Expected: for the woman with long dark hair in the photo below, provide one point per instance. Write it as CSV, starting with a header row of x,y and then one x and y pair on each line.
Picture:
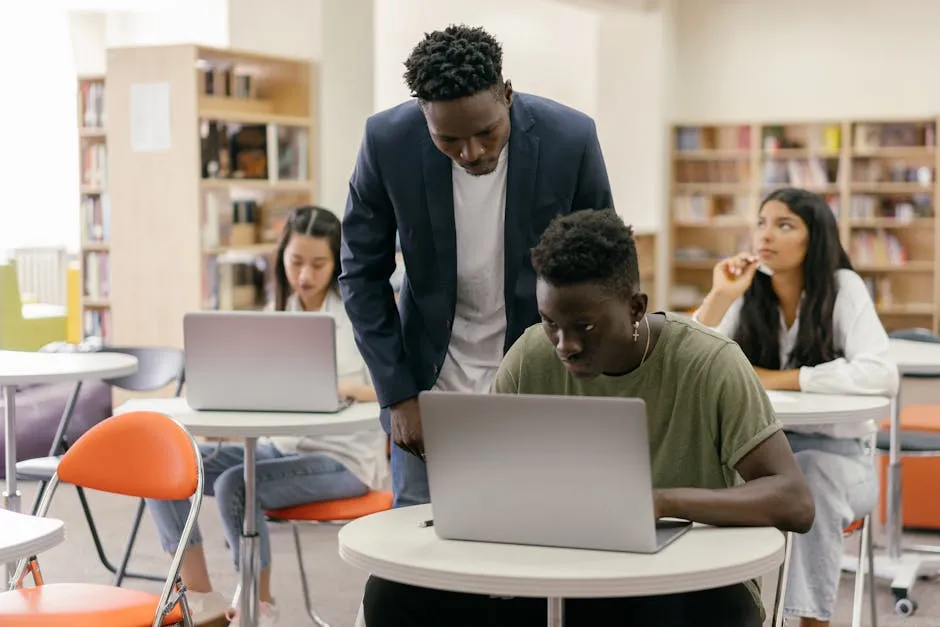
x,y
806,321
290,470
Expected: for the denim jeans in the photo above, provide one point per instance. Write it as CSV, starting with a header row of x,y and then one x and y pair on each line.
x,y
409,473
841,476
280,480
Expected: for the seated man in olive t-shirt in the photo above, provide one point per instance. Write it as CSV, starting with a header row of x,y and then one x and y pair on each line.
x,y
718,453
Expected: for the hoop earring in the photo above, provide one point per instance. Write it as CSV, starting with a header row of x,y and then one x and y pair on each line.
x,y
636,331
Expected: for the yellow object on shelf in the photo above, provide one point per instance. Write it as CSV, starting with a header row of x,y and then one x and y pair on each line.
x,y
74,305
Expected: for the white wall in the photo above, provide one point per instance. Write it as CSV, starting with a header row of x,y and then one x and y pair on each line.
x,y
766,60
549,48
88,32
290,28
196,22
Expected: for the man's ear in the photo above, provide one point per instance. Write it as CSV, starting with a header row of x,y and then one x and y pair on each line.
x,y
639,304
507,92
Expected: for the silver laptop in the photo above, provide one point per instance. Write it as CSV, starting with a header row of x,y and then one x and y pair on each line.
x,y
261,361
561,471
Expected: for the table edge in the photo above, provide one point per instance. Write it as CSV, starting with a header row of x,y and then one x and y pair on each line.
x,y
37,545
636,586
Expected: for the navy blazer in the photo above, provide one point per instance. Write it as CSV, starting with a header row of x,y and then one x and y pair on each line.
x,y
403,183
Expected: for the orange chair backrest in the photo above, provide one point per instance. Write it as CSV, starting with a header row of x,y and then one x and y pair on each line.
x,y
141,453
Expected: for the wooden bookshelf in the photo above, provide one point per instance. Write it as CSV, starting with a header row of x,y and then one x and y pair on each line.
x,y
209,150
646,256
879,177
94,207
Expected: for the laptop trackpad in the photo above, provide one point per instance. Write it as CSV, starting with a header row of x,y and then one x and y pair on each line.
x,y
668,530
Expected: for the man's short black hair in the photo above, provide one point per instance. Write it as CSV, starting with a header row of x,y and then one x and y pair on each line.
x,y
589,247
456,62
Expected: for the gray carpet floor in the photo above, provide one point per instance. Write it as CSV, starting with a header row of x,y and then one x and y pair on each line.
x,y
336,587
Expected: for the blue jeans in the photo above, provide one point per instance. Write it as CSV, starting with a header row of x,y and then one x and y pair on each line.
x,y
409,473
841,476
280,480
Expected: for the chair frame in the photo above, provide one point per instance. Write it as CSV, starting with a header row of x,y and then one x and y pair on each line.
x,y
173,591
60,446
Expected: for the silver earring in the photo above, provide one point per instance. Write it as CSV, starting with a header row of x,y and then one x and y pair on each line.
x,y
636,331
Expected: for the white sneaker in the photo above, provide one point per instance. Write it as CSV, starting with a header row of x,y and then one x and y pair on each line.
x,y
206,607
267,616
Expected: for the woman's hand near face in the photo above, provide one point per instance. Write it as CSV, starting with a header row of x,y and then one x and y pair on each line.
x,y
732,276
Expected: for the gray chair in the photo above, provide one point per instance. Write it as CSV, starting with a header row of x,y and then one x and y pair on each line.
x,y
156,368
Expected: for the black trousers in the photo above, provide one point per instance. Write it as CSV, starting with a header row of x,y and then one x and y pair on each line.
x,y
390,604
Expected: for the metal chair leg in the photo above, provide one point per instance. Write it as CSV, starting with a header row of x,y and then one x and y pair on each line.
x,y
869,533
129,547
859,594
303,580
780,601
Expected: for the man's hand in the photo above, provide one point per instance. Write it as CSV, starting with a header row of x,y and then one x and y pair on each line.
x,y
406,426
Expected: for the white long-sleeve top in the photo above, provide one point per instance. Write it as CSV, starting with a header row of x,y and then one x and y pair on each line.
x,y
865,368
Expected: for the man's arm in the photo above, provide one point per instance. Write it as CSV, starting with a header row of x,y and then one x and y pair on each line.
x,y
593,191
367,256
752,442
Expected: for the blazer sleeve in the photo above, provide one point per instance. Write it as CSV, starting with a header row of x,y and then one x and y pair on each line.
x,y
593,190
367,255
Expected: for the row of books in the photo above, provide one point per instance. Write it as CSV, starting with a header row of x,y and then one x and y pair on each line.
x,y
877,248
96,276
95,165
96,219
869,207
91,104
97,323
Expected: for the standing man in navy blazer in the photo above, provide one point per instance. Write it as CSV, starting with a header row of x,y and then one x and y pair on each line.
x,y
468,174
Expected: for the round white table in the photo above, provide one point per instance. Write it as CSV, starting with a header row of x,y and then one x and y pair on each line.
x,y
251,426
27,368
799,409
701,559
22,536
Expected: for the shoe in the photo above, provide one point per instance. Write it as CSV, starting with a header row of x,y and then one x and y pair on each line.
x,y
206,607
267,616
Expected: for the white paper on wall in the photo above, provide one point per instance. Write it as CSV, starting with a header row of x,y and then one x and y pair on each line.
x,y
150,117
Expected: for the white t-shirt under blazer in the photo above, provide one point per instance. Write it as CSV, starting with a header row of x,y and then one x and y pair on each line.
x,y
865,368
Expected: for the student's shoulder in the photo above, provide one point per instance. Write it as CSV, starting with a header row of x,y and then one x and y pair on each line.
x,y
396,123
850,285
533,346
691,341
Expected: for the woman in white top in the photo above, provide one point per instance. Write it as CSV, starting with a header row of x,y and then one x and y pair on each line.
x,y
806,322
290,470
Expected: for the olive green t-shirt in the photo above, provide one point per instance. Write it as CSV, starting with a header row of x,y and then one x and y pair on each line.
x,y
706,408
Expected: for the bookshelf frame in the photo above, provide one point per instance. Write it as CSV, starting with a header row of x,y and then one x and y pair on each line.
x,y
831,167
168,255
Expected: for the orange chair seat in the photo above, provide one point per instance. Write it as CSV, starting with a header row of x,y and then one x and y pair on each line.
x,y
80,604
918,418
340,509
855,526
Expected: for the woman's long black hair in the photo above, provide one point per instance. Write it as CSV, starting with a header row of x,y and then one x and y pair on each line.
x,y
758,329
313,222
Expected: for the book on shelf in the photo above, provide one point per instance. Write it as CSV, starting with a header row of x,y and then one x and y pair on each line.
x,y
96,219
693,138
97,323
95,165
96,276
91,104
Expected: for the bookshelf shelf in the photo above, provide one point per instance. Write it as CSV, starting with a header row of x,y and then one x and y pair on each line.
x,y
94,207
200,216
879,178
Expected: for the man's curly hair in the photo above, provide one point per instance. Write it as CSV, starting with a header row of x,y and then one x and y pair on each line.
x,y
456,62
589,246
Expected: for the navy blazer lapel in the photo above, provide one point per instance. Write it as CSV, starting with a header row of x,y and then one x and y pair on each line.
x,y
520,193
439,190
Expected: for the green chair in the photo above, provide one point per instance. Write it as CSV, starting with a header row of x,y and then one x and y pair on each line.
x,y
31,327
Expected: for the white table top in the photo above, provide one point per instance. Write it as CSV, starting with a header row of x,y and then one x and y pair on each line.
x,y
391,545
799,409
24,368
255,424
916,357
22,535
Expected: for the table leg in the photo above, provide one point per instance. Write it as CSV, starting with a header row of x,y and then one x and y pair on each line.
x,y
556,612
249,558
894,518
11,495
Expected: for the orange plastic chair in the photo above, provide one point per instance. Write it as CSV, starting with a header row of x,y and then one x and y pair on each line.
x,y
340,510
140,454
